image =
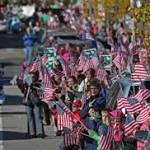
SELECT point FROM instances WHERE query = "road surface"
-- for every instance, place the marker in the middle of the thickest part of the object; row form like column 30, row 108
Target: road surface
column 12, row 114
column 13, row 122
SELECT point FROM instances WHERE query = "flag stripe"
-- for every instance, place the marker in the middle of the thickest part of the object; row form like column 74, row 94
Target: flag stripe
column 140, row 73
column 106, row 140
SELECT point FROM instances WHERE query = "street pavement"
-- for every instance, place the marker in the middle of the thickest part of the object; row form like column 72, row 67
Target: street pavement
column 11, row 40
column 14, row 126
column 13, row 121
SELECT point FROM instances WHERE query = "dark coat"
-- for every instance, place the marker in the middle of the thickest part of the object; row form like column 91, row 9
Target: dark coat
column 34, row 97
column 90, row 144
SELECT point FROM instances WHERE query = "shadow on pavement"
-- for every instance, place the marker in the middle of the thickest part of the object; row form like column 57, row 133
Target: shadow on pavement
column 12, row 135
column 5, row 81
column 13, row 113
column 13, row 100
column 13, row 40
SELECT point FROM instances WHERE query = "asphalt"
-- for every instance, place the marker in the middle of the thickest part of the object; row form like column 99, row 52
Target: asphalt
column 13, row 120
column 11, row 40
column 13, row 124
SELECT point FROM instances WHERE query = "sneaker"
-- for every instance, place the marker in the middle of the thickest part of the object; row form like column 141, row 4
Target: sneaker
column 42, row 136
column 58, row 133
column 32, row 136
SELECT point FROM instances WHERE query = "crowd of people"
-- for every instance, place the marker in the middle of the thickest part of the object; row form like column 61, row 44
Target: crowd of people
column 92, row 106
column 50, row 16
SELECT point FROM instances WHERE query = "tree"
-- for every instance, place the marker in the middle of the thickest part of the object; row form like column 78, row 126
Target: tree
column 142, row 16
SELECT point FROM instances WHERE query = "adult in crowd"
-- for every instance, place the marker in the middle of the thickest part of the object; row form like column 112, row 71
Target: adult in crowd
column 91, row 113
column 29, row 39
column 71, row 90
column 33, row 105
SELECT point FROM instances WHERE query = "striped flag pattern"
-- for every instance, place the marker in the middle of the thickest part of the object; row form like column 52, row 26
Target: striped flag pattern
column 48, row 89
column 142, row 95
column 72, row 138
column 64, row 119
column 144, row 115
column 106, row 140
column 88, row 65
column 119, row 61
column 66, row 69
column 131, row 105
column 73, row 68
column 82, row 61
column 35, row 66
column 95, row 62
column 48, row 94
column 46, row 78
column 143, row 55
column 134, row 105
column 140, row 73
column 130, row 125
column 101, row 74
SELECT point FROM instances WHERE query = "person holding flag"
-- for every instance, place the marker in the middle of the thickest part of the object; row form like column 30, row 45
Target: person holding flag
column 91, row 115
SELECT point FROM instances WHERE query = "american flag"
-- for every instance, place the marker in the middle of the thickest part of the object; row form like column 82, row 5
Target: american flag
column 144, row 115
column 88, row 65
column 64, row 119
column 142, row 95
column 122, row 103
column 101, row 74
column 73, row 68
column 105, row 141
column 66, row 69
column 119, row 61
column 130, row 125
column 48, row 94
column 72, row 138
column 46, row 79
column 95, row 62
column 35, row 66
column 48, row 89
column 82, row 62
column 134, row 105
column 140, row 73
column 131, row 105
column 143, row 55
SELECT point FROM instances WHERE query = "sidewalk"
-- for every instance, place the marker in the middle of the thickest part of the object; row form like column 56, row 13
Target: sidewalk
column 14, row 126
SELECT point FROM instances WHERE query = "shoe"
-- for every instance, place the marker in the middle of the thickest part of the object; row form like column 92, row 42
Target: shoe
column 58, row 133
column 42, row 136
column 32, row 136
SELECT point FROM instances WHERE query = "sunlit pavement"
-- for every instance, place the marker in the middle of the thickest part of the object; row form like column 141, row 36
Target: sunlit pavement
column 13, row 123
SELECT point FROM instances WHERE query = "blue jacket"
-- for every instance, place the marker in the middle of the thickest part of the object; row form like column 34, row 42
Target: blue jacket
column 29, row 39
column 90, row 144
column 90, row 42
